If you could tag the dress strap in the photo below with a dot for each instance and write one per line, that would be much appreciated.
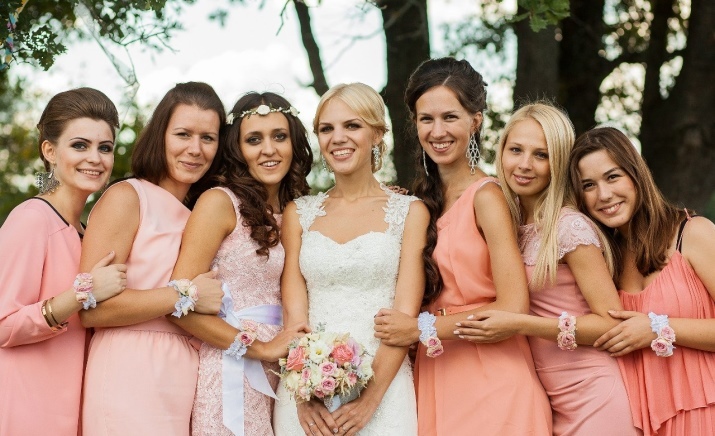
(396, 210)
(679, 244)
(310, 207)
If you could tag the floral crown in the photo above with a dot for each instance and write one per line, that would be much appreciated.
(262, 110)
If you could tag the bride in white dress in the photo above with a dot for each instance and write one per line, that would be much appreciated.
(349, 252)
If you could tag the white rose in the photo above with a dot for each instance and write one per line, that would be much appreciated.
(293, 111)
(263, 110)
(291, 381)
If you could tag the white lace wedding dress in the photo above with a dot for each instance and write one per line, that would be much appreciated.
(347, 284)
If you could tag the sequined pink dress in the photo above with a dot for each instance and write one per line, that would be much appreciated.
(584, 386)
(253, 280)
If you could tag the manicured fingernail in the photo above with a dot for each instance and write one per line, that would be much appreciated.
(459, 324)
(470, 317)
(461, 337)
(335, 430)
(456, 332)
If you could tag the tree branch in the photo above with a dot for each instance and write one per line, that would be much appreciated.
(320, 83)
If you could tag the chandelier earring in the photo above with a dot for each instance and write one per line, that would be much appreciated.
(424, 161)
(326, 167)
(46, 182)
(473, 154)
(375, 156)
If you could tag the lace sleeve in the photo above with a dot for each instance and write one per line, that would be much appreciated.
(308, 208)
(396, 210)
(575, 229)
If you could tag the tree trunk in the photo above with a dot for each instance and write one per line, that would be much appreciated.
(407, 42)
(678, 132)
(537, 63)
(320, 83)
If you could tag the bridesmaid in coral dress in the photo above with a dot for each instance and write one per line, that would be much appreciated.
(141, 369)
(571, 285)
(463, 388)
(667, 283)
(42, 343)
(235, 229)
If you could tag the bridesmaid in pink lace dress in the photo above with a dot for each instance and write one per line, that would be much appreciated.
(666, 276)
(567, 272)
(235, 229)
(141, 369)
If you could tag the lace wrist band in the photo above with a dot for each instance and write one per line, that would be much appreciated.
(83, 286)
(245, 337)
(428, 334)
(566, 339)
(188, 296)
(663, 344)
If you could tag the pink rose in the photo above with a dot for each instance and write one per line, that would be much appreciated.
(304, 393)
(343, 353)
(327, 385)
(246, 338)
(305, 375)
(352, 379)
(567, 323)
(318, 393)
(435, 351)
(327, 368)
(296, 356)
(566, 341)
(433, 342)
(662, 347)
(667, 333)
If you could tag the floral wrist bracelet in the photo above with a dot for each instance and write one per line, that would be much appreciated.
(428, 334)
(245, 337)
(83, 287)
(663, 344)
(188, 296)
(566, 339)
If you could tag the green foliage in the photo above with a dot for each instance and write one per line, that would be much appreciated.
(543, 13)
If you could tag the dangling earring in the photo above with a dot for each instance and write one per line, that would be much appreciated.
(47, 182)
(424, 161)
(473, 154)
(326, 167)
(375, 157)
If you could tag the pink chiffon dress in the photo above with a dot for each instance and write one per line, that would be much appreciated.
(672, 395)
(485, 389)
(141, 379)
(584, 386)
(40, 369)
(253, 281)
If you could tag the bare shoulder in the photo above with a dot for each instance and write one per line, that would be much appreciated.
(418, 213)
(487, 194)
(698, 237)
(119, 202)
(214, 200)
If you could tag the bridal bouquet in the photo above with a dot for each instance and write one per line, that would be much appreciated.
(330, 366)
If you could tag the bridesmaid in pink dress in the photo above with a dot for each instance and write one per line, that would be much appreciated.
(141, 369)
(567, 274)
(490, 388)
(235, 229)
(42, 343)
(667, 281)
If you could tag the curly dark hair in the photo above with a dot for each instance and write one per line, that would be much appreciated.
(470, 89)
(233, 173)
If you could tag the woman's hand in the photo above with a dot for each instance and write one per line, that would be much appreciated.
(315, 418)
(278, 346)
(353, 416)
(210, 293)
(633, 333)
(396, 328)
(488, 326)
(108, 280)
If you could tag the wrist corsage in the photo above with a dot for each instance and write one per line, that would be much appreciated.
(428, 334)
(663, 344)
(83, 291)
(188, 296)
(566, 339)
(245, 337)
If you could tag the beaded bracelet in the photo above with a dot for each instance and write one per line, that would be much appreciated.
(188, 296)
(566, 339)
(428, 334)
(245, 337)
(83, 287)
(663, 344)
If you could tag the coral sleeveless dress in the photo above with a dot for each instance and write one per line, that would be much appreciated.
(140, 379)
(584, 386)
(672, 395)
(253, 280)
(485, 389)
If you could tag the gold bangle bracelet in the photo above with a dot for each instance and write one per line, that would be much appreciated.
(43, 308)
(58, 325)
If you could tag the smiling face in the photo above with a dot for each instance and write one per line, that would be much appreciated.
(83, 155)
(346, 140)
(525, 160)
(444, 126)
(609, 194)
(191, 140)
(267, 148)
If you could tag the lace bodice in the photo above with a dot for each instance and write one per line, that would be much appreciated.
(573, 228)
(348, 283)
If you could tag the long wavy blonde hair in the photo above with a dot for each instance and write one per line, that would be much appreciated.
(559, 133)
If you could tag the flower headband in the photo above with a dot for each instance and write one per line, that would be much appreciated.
(261, 110)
